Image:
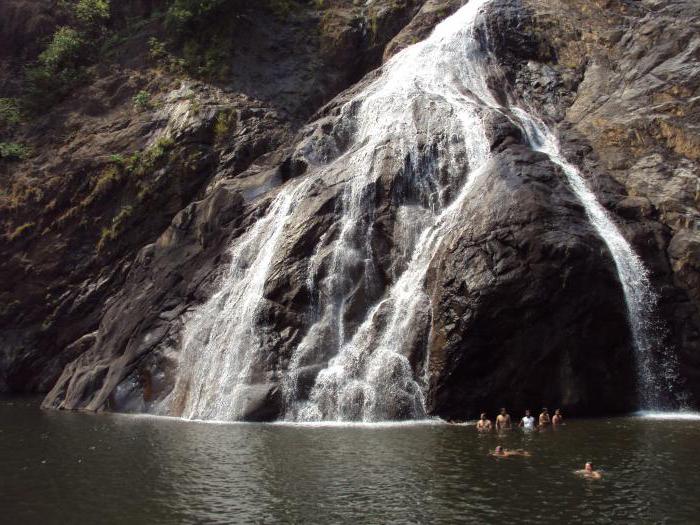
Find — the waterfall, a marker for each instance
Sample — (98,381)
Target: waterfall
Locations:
(221,344)
(640,299)
(370,378)
(421,120)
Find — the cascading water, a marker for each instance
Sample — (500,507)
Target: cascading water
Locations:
(220,343)
(639,297)
(370,378)
(422,122)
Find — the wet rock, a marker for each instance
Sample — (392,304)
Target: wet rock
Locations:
(525,262)
(73,218)
(620,88)
(525,306)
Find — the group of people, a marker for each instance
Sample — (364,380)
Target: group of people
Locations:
(503,421)
(527,422)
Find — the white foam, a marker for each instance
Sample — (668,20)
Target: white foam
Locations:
(362,424)
(686,416)
(433,421)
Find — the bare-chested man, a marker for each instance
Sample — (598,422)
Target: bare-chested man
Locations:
(484,424)
(503,420)
(501,452)
(544,418)
(589,472)
(558,419)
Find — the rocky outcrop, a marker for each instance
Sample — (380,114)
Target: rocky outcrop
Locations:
(527,261)
(105,176)
(622,95)
(524,303)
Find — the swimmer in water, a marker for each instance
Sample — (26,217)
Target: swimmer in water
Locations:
(588,472)
(503,420)
(544,418)
(558,419)
(527,422)
(484,424)
(501,452)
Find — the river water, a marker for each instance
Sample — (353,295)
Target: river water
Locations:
(58,467)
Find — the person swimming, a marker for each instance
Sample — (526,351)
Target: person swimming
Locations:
(558,419)
(484,424)
(544,418)
(500,452)
(589,472)
(503,420)
(527,422)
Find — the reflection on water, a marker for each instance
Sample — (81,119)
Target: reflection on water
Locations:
(68,468)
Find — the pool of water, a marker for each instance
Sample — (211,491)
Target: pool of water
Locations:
(58,467)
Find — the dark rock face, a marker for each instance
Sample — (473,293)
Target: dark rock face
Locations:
(526,262)
(618,87)
(524,305)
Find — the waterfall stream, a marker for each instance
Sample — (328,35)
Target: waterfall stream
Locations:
(639,297)
(441,152)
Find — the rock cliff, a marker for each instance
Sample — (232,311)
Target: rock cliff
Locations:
(122,219)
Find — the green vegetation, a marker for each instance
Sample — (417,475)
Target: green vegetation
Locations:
(66,50)
(142,100)
(58,70)
(92,13)
(111,234)
(10,114)
(147,161)
(13,151)
(199,31)
(62,65)
(189,17)
(224,123)
(200,36)
(119,160)
(110,177)
(157,49)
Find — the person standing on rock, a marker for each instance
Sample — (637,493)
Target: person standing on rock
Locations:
(503,421)
(527,422)
(484,424)
(544,418)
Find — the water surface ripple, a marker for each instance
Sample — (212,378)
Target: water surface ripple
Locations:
(81,468)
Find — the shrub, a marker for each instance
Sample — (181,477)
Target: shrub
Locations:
(92,13)
(13,151)
(117,159)
(110,177)
(154,154)
(66,49)
(62,65)
(108,235)
(10,114)
(187,16)
(142,100)
(58,70)
(224,123)
(143,163)
(156,49)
